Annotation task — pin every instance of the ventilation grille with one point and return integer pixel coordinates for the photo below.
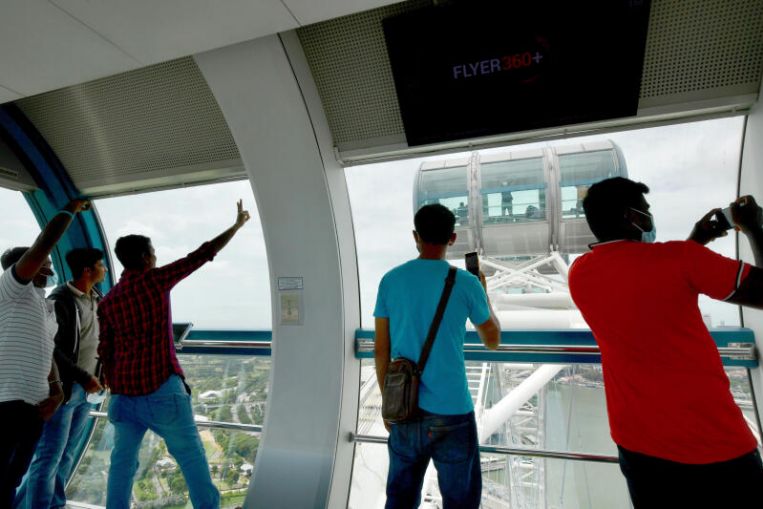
(159, 123)
(696, 45)
(349, 62)
(696, 49)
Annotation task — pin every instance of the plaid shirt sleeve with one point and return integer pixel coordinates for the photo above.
(168, 276)
(105, 343)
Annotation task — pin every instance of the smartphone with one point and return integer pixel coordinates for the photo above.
(725, 220)
(472, 263)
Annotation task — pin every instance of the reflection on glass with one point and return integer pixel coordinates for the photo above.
(513, 191)
(225, 388)
(578, 172)
(448, 187)
(566, 414)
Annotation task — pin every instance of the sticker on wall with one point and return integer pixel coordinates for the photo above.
(290, 283)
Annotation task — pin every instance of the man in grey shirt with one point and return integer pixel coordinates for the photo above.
(76, 305)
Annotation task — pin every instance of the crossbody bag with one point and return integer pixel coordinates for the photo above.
(400, 395)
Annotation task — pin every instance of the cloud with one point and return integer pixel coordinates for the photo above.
(690, 168)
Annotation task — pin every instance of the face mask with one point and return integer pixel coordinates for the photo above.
(52, 280)
(646, 236)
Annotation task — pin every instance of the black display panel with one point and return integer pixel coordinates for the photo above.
(481, 68)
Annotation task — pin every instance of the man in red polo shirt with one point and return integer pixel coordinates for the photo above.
(148, 389)
(682, 440)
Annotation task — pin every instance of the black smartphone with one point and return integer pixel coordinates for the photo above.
(725, 220)
(472, 263)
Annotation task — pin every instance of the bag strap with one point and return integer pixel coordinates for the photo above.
(449, 282)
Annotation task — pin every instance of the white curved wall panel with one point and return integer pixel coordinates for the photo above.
(751, 182)
(305, 458)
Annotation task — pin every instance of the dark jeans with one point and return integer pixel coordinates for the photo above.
(20, 429)
(451, 442)
(658, 483)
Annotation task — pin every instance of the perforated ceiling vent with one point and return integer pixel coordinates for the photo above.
(349, 62)
(696, 45)
(157, 126)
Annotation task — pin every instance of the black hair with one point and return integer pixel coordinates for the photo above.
(434, 224)
(607, 202)
(131, 250)
(81, 258)
(12, 255)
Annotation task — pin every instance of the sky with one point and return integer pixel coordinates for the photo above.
(690, 169)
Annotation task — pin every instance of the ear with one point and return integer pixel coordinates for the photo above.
(452, 240)
(415, 235)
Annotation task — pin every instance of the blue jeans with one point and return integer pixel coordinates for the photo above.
(451, 442)
(168, 413)
(55, 454)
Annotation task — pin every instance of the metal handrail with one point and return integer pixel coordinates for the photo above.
(236, 426)
(512, 451)
(737, 352)
(211, 343)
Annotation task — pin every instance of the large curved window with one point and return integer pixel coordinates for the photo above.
(18, 227)
(513, 191)
(224, 300)
(448, 187)
(229, 389)
(233, 291)
(690, 169)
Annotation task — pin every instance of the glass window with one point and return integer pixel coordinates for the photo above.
(230, 389)
(689, 168)
(513, 191)
(231, 292)
(18, 227)
(578, 172)
(447, 186)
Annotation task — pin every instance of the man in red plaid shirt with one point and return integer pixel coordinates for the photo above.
(148, 390)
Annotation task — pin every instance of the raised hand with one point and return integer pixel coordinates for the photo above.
(242, 216)
(746, 213)
(77, 205)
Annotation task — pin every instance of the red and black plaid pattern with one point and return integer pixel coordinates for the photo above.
(136, 344)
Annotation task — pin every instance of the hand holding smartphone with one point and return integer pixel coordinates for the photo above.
(725, 219)
(472, 263)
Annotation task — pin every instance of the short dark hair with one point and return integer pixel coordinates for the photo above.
(434, 223)
(131, 249)
(81, 258)
(606, 203)
(12, 255)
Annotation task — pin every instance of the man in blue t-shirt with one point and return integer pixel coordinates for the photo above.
(446, 430)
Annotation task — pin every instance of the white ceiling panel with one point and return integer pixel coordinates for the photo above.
(8, 95)
(312, 11)
(155, 31)
(42, 47)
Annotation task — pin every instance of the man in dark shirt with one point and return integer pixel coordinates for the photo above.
(146, 381)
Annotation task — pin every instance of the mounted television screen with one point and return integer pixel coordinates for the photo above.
(480, 68)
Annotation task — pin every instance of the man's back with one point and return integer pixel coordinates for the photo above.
(408, 296)
(667, 393)
(135, 328)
